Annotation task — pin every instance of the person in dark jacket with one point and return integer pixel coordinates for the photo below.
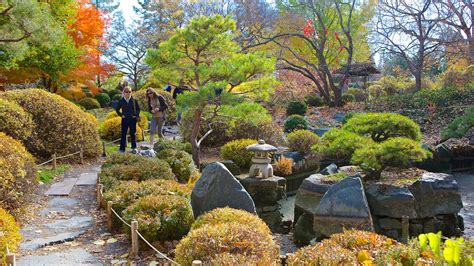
(129, 110)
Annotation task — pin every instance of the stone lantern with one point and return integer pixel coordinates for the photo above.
(261, 160)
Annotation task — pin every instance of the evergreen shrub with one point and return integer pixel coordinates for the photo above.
(302, 140)
(181, 163)
(14, 121)
(294, 122)
(236, 151)
(103, 99)
(296, 108)
(89, 103)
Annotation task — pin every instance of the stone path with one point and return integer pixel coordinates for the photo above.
(466, 186)
(65, 227)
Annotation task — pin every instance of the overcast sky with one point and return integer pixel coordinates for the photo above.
(126, 6)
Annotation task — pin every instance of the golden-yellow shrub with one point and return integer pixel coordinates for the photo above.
(208, 241)
(9, 235)
(14, 121)
(111, 129)
(17, 173)
(326, 252)
(60, 126)
(230, 215)
(236, 151)
(283, 166)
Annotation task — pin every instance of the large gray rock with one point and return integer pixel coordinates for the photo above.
(344, 205)
(436, 193)
(265, 191)
(309, 194)
(218, 188)
(392, 201)
(303, 231)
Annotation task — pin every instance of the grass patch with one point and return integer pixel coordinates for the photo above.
(46, 173)
(334, 178)
(111, 148)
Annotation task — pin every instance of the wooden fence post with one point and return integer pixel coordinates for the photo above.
(134, 228)
(405, 229)
(54, 161)
(109, 215)
(104, 152)
(99, 195)
(283, 260)
(81, 155)
(197, 262)
(11, 260)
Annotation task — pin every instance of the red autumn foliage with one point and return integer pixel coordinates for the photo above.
(308, 29)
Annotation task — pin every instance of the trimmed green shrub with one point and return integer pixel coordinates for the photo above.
(460, 125)
(140, 170)
(127, 192)
(17, 173)
(161, 217)
(116, 97)
(14, 121)
(294, 122)
(59, 126)
(122, 158)
(375, 141)
(103, 99)
(348, 116)
(296, 108)
(302, 140)
(235, 151)
(181, 163)
(9, 235)
(341, 144)
(314, 100)
(396, 152)
(230, 215)
(381, 126)
(111, 130)
(163, 144)
(348, 98)
(89, 103)
(209, 241)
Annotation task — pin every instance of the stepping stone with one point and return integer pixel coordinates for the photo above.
(76, 222)
(77, 256)
(55, 210)
(51, 240)
(87, 179)
(62, 202)
(62, 188)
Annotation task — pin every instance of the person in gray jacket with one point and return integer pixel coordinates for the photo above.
(157, 106)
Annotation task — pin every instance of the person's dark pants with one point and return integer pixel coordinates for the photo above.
(128, 123)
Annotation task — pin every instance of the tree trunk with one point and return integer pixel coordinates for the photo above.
(418, 80)
(470, 58)
(195, 136)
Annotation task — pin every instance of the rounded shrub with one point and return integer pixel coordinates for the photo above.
(348, 98)
(18, 173)
(144, 169)
(230, 215)
(208, 241)
(60, 126)
(294, 122)
(314, 100)
(163, 144)
(326, 252)
(236, 151)
(171, 113)
(296, 108)
(142, 122)
(181, 163)
(381, 126)
(111, 130)
(103, 99)
(341, 144)
(116, 97)
(89, 103)
(302, 140)
(14, 121)
(9, 235)
(161, 217)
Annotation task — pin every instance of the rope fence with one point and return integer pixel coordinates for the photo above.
(10, 258)
(55, 158)
(135, 234)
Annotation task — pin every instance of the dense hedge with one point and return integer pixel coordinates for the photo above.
(180, 162)
(302, 140)
(17, 173)
(295, 122)
(89, 103)
(236, 151)
(60, 126)
(142, 122)
(163, 144)
(9, 235)
(14, 121)
(103, 99)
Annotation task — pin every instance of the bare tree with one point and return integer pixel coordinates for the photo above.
(330, 23)
(127, 50)
(410, 30)
(458, 16)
